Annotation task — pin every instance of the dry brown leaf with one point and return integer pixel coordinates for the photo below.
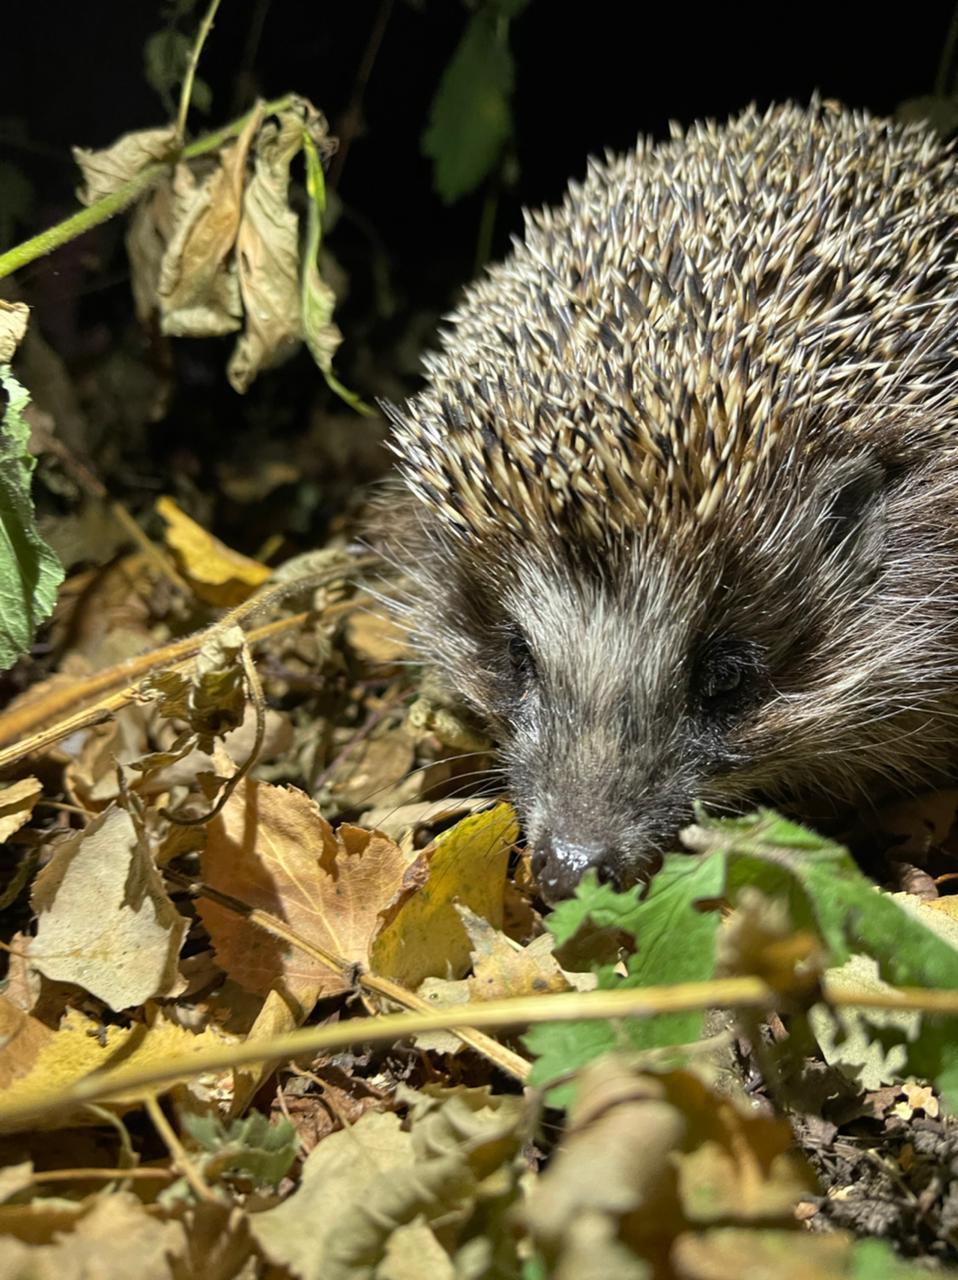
(198, 289)
(105, 921)
(14, 317)
(376, 637)
(272, 849)
(501, 968)
(16, 804)
(110, 168)
(113, 1238)
(657, 1153)
(216, 573)
(267, 253)
(23, 1037)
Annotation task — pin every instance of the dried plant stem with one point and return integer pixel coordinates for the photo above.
(506, 1059)
(721, 993)
(177, 1151)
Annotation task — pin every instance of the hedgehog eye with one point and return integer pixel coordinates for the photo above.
(520, 656)
(725, 675)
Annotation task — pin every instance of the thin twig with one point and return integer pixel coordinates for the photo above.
(177, 1151)
(186, 93)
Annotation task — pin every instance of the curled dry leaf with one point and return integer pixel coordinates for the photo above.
(267, 251)
(16, 804)
(217, 574)
(14, 317)
(197, 288)
(107, 170)
(272, 849)
(105, 921)
(658, 1154)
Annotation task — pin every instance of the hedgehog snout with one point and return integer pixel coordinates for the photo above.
(559, 865)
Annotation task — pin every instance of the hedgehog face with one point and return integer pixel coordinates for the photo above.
(685, 465)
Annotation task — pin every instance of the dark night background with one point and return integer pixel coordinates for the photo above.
(587, 77)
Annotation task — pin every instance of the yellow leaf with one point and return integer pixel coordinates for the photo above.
(465, 865)
(16, 804)
(52, 1063)
(14, 317)
(217, 574)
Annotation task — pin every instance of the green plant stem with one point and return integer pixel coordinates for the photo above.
(186, 92)
(108, 206)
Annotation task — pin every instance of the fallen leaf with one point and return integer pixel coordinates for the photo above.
(16, 804)
(105, 920)
(368, 1193)
(272, 849)
(112, 1237)
(217, 574)
(465, 865)
(48, 1065)
(757, 1255)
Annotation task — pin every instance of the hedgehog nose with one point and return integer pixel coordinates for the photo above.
(558, 865)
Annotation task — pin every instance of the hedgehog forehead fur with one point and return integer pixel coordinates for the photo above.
(696, 316)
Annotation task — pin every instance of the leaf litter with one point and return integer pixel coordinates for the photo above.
(236, 844)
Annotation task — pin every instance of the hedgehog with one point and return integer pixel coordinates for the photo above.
(683, 480)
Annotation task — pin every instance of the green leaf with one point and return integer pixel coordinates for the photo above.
(827, 893)
(30, 573)
(876, 1260)
(471, 119)
(667, 914)
(264, 1152)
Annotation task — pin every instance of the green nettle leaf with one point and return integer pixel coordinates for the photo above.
(675, 935)
(252, 1146)
(30, 573)
(668, 913)
(471, 119)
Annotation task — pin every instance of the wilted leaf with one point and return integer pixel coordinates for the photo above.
(198, 290)
(786, 1255)
(211, 699)
(465, 865)
(267, 252)
(29, 571)
(367, 1193)
(105, 921)
(16, 804)
(317, 298)
(272, 849)
(216, 573)
(106, 170)
(14, 318)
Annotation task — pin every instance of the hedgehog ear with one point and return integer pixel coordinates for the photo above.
(854, 487)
